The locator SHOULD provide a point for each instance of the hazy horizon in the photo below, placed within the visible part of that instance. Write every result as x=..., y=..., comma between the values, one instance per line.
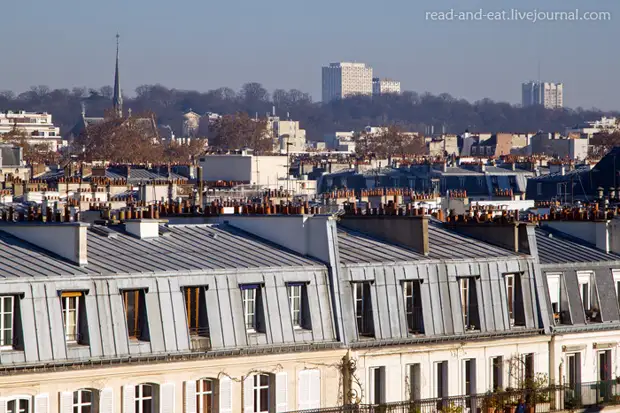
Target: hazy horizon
x=284, y=45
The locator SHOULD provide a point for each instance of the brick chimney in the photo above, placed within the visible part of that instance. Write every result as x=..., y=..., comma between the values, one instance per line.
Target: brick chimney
x=410, y=231
x=512, y=236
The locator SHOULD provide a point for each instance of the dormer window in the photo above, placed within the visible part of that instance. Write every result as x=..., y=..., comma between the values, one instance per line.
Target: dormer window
x=587, y=292
x=469, y=303
x=514, y=297
x=363, y=308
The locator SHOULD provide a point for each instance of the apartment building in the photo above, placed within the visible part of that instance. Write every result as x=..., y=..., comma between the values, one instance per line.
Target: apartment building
x=273, y=313
x=547, y=94
x=38, y=128
x=469, y=310
x=581, y=263
x=288, y=136
x=385, y=86
x=344, y=79
x=142, y=318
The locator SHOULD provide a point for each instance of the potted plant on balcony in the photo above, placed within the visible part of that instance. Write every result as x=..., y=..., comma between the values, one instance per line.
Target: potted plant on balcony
x=452, y=408
x=539, y=388
x=489, y=403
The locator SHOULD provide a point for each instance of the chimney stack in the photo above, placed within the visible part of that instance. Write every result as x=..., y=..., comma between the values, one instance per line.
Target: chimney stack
x=67, y=239
x=410, y=231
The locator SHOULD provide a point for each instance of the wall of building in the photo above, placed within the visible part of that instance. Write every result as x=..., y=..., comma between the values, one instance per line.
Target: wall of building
x=258, y=170
x=177, y=374
x=398, y=359
x=585, y=344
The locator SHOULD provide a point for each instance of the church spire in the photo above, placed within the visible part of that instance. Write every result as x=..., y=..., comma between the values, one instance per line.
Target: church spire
x=117, y=100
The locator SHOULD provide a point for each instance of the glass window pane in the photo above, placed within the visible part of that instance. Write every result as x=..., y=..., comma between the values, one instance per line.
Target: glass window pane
x=147, y=390
x=264, y=380
x=264, y=400
x=8, y=304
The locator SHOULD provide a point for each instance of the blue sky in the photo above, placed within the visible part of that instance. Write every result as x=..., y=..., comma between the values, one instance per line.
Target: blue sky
x=204, y=44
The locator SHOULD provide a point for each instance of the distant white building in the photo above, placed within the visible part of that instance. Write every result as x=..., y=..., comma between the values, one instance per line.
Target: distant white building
x=38, y=128
x=589, y=129
x=344, y=79
x=547, y=94
x=245, y=168
x=286, y=133
x=191, y=124
x=384, y=86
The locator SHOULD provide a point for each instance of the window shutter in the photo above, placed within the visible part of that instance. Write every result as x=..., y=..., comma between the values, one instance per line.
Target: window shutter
x=129, y=395
x=314, y=399
x=41, y=403
x=189, y=401
x=248, y=394
x=371, y=386
x=226, y=399
x=281, y=392
x=2, y=406
x=106, y=401
x=303, y=390
x=66, y=402
x=167, y=398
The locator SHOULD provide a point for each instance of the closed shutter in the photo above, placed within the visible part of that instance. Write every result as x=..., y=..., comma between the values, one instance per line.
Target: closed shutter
x=248, y=394
x=2, y=405
x=66, y=402
x=281, y=392
x=167, y=398
x=129, y=396
x=226, y=399
x=314, y=399
x=189, y=399
x=41, y=403
x=106, y=401
x=303, y=390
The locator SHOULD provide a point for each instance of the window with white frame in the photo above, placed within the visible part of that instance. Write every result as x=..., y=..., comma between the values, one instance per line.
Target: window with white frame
x=363, y=308
x=415, y=381
x=295, y=297
x=441, y=379
x=83, y=401
x=584, y=290
x=261, y=393
x=7, y=320
x=144, y=399
x=377, y=385
x=464, y=288
x=21, y=405
x=497, y=373
x=469, y=302
x=250, y=295
x=510, y=294
x=70, y=315
x=413, y=306
x=205, y=389
x=553, y=283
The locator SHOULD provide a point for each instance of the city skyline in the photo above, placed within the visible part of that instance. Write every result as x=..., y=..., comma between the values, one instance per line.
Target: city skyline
x=470, y=60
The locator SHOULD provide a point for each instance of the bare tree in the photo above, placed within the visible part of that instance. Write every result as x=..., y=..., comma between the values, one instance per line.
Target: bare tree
x=32, y=153
x=234, y=132
x=132, y=140
x=603, y=142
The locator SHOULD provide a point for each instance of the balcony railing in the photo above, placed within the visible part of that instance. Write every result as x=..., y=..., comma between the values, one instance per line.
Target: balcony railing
x=551, y=399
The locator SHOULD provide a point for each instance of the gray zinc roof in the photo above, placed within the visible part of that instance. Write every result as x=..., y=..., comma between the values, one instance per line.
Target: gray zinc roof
x=184, y=249
x=20, y=259
x=557, y=248
x=358, y=248
x=188, y=248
